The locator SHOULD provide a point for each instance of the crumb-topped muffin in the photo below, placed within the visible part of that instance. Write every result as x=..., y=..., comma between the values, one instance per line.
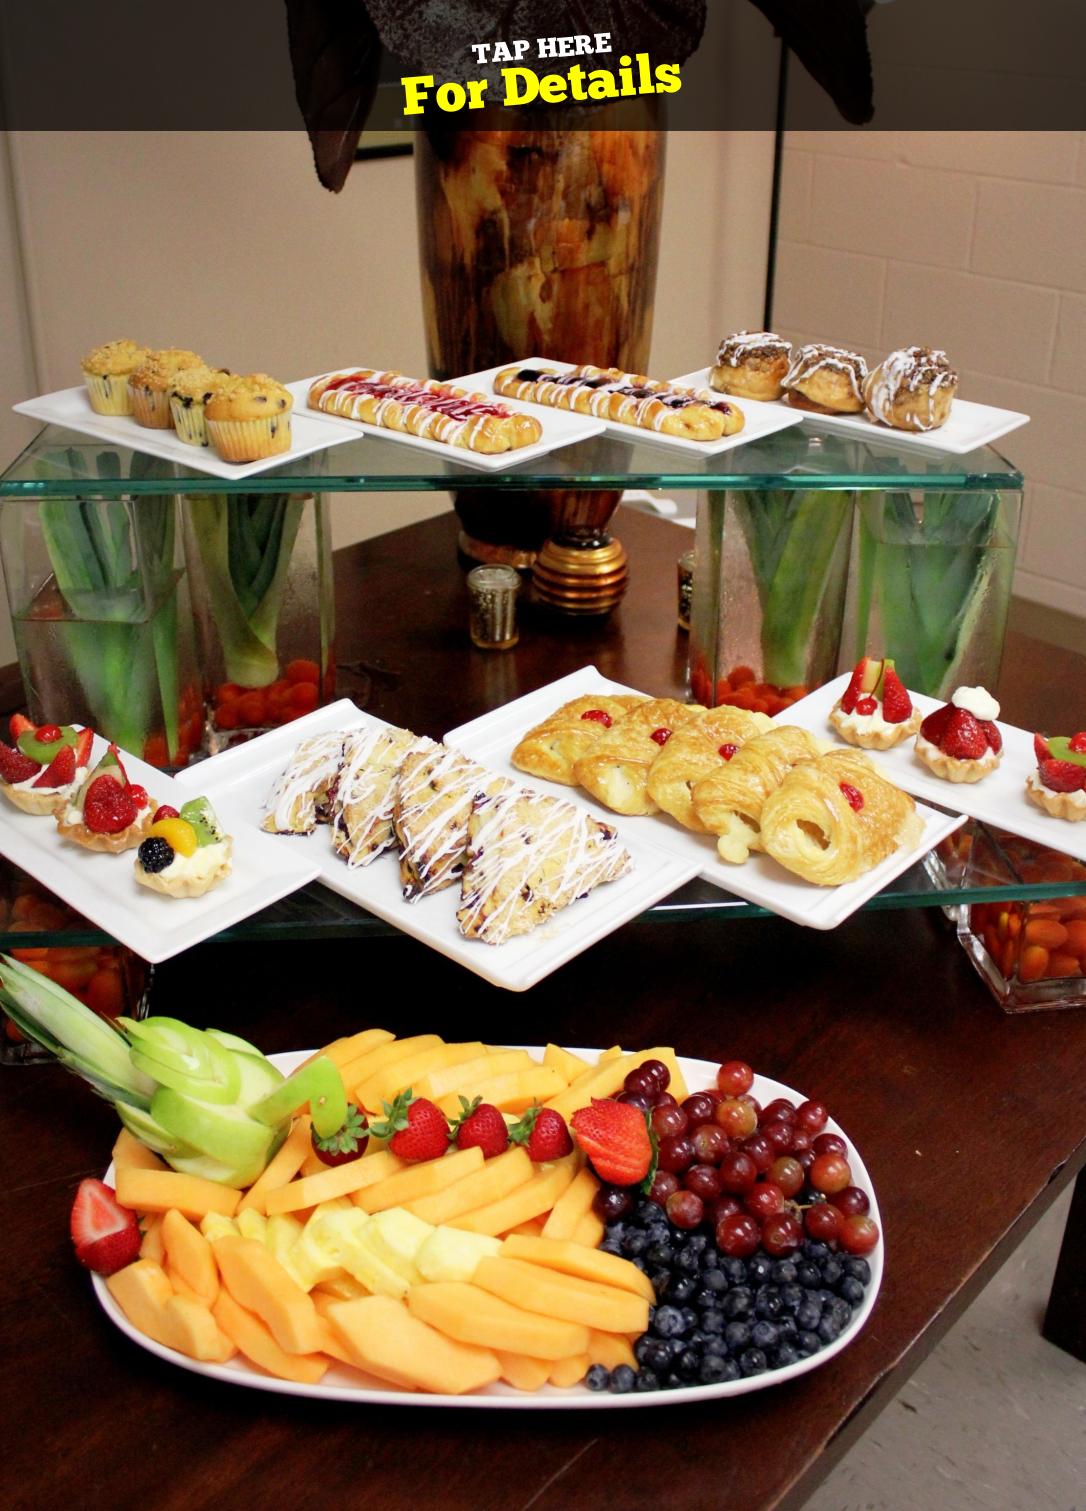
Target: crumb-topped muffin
x=189, y=392
x=149, y=385
x=248, y=418
x=106, y=371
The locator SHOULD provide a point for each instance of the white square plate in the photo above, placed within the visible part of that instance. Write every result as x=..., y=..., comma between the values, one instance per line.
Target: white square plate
x=245, y=776
x=492, y=738
x=761, y=419
x=341, y=1383
x=968, y=427
x=70, y=408
x=998, y=798
x=104, y=888
x=559, y=429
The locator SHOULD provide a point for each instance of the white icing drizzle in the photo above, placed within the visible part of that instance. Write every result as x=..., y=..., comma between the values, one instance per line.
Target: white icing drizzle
x=528, y=856
x=649, y=410
x=432, y=804
x=372, y=758
x=813, y=358
x=453, y=416
x=745, y=344
x=917, y=370
x=299, y=799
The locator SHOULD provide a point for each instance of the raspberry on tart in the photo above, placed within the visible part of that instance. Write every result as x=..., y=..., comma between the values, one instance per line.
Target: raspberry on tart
x=875, y=710
x=961, y=741
x=1059, y=783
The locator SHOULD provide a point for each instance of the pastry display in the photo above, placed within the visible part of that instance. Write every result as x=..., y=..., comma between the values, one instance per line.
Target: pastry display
x=150, y=383
x=186, y=852
x=43, y=767
x=361, y=815
x=616, y=770
x=911, y=389
x=189, y=393
x=729, y=801
x=608, y=393
x=106, y=371
x=826, y=380
x=961, y=741
x=430, y=811
x=834, y=818
x=527, y=857
x=426, y=408
x=107, y=811
x=1058, y=785
x=875, y=710
x=554, y=747
x=302, y=797
x=752, y=365
x=695, y=752
x=248, y=418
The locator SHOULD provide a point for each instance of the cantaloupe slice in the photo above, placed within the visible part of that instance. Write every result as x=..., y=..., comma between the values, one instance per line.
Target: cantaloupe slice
x=572, y=1205
x=385, y=1083
x=252, y=1338
x=195, y=1331
x=141, y=1290
x=497, y=1177
x=567, y=1372
x=259, y=1283
x=509, y=1093
x=610, y=1350
x=151, y=1245
x=342, y=1051
x=530, y=1200
x=523, y=1373
x=471, y=1315
x=533, y=1227
x=282, y=1167
x=614, y=1053
x=424, y=1179
x=333, y=1181
x=564, y=1060
x=368, y=1064
x=190, y=1255
x=384, y=1338
x=456, y=1078
x=159, y=1190
x=555, y=1294
x=129, y=1151
x=605, y=1080
x=585, y=1264
x=589, y=1231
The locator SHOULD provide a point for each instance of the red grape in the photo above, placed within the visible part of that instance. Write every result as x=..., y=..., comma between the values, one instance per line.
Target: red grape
x=805, y=1158
x=830, y=1173
x=779, y=1111
x=788, y=1174
x=698, y=1108
x=653, y=1077
x=859, y=1234
x=737, y=1235
x=764, y=1200
x=710, y=1143
x=665, y=1099
x=636, y=1099
x=685, y=1209
x=723, y=1206
x=668, y=1121
x=738, y=1171
x=664, y=1184
x=611, y=1203
x=779, y=1135
x=852, y=1202
x=738, y=1119
x=704, y=1181
x=822, y=1222
x=812, y=1116
x=752, y=1101
x=801, y=1139
x=675, y=1154
x=734, y=1077
x=781, y=1234
x=760, y=1150
x=829, y=1143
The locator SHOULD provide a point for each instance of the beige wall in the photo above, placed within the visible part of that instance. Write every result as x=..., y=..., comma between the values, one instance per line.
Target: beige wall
x=226, y=243
x=975, y=242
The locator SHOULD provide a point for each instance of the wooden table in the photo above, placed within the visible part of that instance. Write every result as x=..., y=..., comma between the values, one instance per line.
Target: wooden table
x=970, y=1121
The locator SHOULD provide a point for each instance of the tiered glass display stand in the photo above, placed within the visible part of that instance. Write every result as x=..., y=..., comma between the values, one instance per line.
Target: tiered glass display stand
x=63, y=464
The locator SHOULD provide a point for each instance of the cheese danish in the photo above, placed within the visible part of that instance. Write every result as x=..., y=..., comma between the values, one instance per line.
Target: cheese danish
x=616, y=771
x=553, y=748
x=729, y=801
x=423, y=407
x=696, y=751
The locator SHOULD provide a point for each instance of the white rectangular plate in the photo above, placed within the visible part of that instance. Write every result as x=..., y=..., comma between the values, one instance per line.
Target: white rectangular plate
x=344, y=1384
x=492, y=738
x=245, y=776
x=968, y=427
x=761, y=419
x=104, y=888
x=559, y=429
x=70, y=408
x=998, y=798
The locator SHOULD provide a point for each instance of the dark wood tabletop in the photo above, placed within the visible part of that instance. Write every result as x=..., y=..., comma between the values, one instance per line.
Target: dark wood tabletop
x=970, y=1122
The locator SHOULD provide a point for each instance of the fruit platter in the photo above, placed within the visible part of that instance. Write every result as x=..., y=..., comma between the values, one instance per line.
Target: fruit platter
x=410, y=1221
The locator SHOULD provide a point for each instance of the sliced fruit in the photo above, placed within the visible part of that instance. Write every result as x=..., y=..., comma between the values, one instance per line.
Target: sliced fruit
x=615, y=1137
x=530, y=1200
x=185, y=1058
x=575, y=1201
x=424, y=1179
x=496, y=1179
x=178, y=834
x=472, y=1315
x=384, y=1338
x=575, y=1259
x=317, y=1083
x=159, y=1190
x=257, y=1281
x=1063, y=776
x=31, y=743
x=61, y=769
x=105, y=1233
x=343, y=1180
x=16, y=767
x=449, y=1254
x=223, y=1132
x=897, y=706
x=200, y=815
x=255, y=1341
x=555, y=1294
x=190, y=1255
x=107, y=807
x=1063, y=748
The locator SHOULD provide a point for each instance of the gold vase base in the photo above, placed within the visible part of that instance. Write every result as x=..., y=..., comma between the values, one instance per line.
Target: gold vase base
x=490, y=555
x=581, y=579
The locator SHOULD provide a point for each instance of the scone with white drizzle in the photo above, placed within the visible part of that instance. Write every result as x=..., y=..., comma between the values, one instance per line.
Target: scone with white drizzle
x=302, y=797
x=528, y=856
x=430, y=811
x=961, y=741
x=362, y=807
x=185, y=853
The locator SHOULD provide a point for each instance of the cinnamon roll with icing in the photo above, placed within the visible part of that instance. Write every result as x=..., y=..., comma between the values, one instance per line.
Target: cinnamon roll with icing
x=826, y=380
x=911, y=389
x=751, y=365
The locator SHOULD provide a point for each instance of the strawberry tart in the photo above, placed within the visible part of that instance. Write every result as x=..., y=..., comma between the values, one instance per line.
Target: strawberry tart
x=107, y=812
x=1059, y=783
x=875, y=710
x=961, y=741
x=43, y=767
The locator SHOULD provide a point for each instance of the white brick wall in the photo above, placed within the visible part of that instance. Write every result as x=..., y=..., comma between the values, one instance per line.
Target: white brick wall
x=975, y=242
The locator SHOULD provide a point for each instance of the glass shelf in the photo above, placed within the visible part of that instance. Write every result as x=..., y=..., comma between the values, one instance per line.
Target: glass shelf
x=59, y=462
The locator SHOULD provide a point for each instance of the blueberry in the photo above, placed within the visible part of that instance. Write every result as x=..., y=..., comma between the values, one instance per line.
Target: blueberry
x=768, y=1303
x=807, y=1275
x=731, y=1371
x=759, y=1269
x=698, y=1242
x=690, y=1319
x=639, y=1264
x=808, y=1343
x=815, y=1251
x=622, y=1379
x=714, y=1369
x=738, y=1303
x=634, y=1243
x=850, y=1290
x=734, y=1269
x=764, y=1335
x=657, y=1356
x=611, y=1246
x=710, y=1260
x=674, y=1381
x=661, y=1281
x=857, y=1268
x=712, y=1321
x=688, y=1364
x=787, y=1329
x=715, y=1281
x=784, y=1272
x=646, y=1212
x=669, y=1322
x=841, y=1312
x=832, y=1270
x=716, y=1345
x=598, y=1378
x=784, y=1356
x=682, y=1289
x=791, y=1297
x=752, y=1362
x=647, y=1379
x=686, y=1262
x=808, y=1314
x=705, y=1298
x=660, y=1254
x=828, y=1330
x=737, y=1336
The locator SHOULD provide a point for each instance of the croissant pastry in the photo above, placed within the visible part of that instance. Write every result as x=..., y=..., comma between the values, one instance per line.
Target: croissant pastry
x=424, y=407
x=694, y=752
x=616, y=771
x=729, y=802
x=608, y=393
x=833, y=819
x=553, y=748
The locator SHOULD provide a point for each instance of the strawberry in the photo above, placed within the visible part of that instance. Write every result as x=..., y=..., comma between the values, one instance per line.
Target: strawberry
x=346, y=1144
x=83, y=748
x=107, y=808
x=14, y=766
x=105, y=1234
x=1063, y=776
x=1077, y=743
x=995, y=739
x=615, y=1136
x=480, y=1125
x=1040, y=749
x=964, y=738
x=855, y=688
x=866, y=705
x=61, y=770
x=416, y=1129
x=934, y=726
x=896, y=703
x=19, y=724
x=543, y=1133
x=165, y=811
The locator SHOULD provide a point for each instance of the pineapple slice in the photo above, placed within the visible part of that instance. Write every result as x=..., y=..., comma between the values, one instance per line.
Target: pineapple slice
x=452, y=1254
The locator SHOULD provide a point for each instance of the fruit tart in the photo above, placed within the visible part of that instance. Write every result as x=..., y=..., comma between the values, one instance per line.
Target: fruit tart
x=1059, y=783
x=185, y=853
x=43, y=767
x=107, y=811
x=875, y=710
x=961, y=741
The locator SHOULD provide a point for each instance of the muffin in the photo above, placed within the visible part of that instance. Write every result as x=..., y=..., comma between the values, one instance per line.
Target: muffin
x=248, y=418
x=826, y=380
x=751, y=365
x=912, y=389
x=106, y=371
x=149, y=386
x=189, y=393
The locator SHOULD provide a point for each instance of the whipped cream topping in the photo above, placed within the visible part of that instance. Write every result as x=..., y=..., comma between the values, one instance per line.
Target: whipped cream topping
x=67, y=789
x=976, y=700
x=203, y=862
